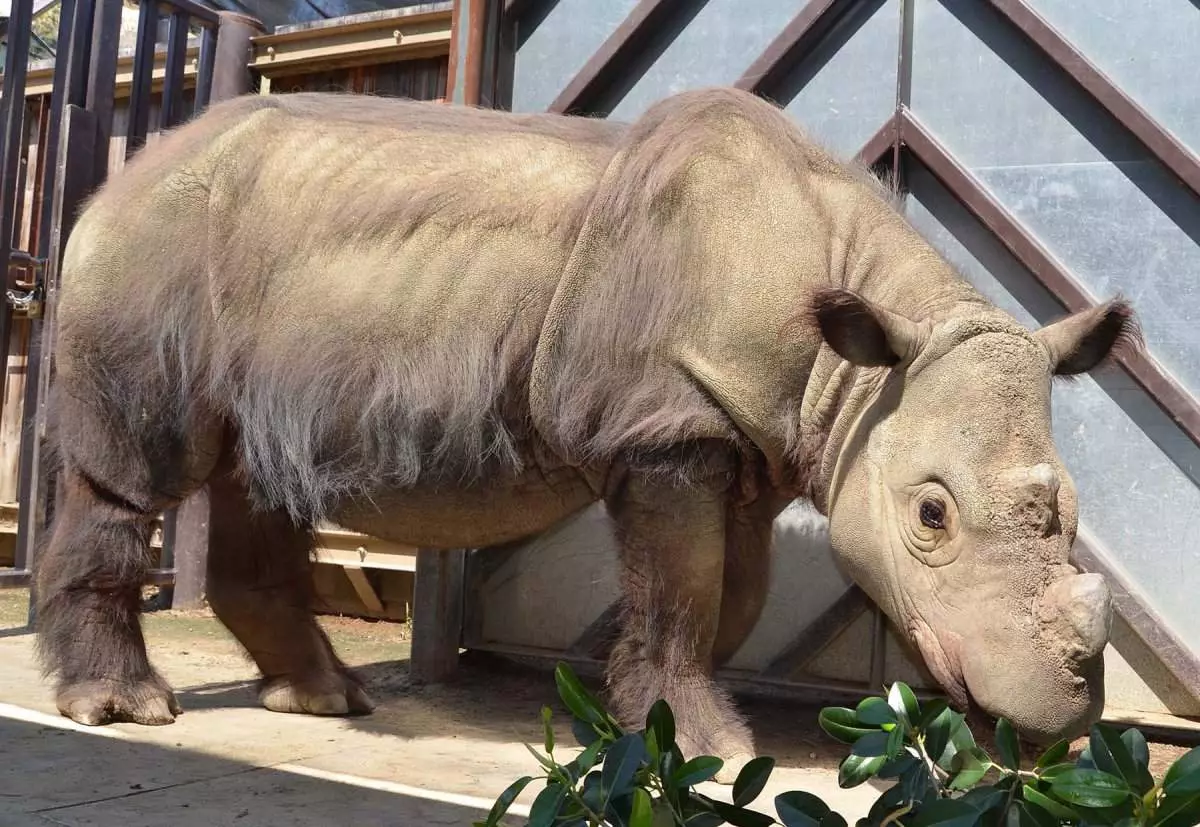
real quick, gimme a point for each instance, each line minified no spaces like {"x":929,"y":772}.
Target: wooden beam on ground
{"x":437,"y":614}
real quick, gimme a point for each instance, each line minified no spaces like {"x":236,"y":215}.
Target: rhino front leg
{"x":672,"y":542}
{"x":748,"y":533}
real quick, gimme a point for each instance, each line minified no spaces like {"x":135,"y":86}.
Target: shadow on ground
{"x":52,"y":776}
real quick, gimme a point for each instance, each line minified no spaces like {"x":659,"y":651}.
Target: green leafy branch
{"x":942,"y":777}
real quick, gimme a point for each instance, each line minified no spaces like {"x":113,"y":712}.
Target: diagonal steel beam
{"x":805,"y":31}
{"x":625,"y":46}
{"x":1176,"y":401}
{"x":1161,"y":143}
{"x":1137,"y":611}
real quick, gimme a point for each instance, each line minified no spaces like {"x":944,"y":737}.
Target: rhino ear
{"x":863,"y":333}
{"x":1081,"y":341}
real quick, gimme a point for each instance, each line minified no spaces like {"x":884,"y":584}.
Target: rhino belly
{"x":501,"y":509}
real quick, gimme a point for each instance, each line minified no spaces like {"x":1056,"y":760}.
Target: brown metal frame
{"x":646,"y":23}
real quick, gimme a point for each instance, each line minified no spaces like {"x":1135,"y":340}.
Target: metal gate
{"x":184,"y":56}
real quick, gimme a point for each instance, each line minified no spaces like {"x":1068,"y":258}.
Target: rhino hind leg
{"x":260,"y":587}
{"x":117,"y":474}
{"x":672,"y":552}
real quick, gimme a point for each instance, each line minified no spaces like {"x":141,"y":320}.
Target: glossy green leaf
{"x":547,"y":805}
{"x":585,"y":734}
{"x":1112,"y":756}
{"x":960,"y":739}
{"x":697,"y":771}
{"x":898,"y":766}
{"x":623,"y":760}
{"x":833,"y":819}
{"x":842,"y":724}
{"x":642,"y":812}
{"x":505,"y":800}
{"x":937,"y":733}
{"x":875,"y":712}
{"x":1139,"y":750}
{"x":547,"y":763}
{"x":944,"y":812}
{"x":985,"y":799}
{"x":932,"y":710}
{"x":1183,"y":777}
{"x":872,"y":744}
{"x":1054,"y":770}
{"x":895,"y":743}
{"x":661,"y":721}
{"x":855,"y":769}
{"x":547,"y":729}
{"x":800,"y":809}
{"x":751,"y":780}
{"x":1178,"y":811}
{"x":741,"y":817}
{"x":904,"y":703}
{"x":1054,"y":754}
{"x":1090,"y":788}
{"x":587,"y":758}
{"x":969,"y":768}
{"x":1029,"y":816}
{"x":582,"y":703}
{"x":1008,"y":745}
{"x":916,"y":784}
{"x":1045,"y":802}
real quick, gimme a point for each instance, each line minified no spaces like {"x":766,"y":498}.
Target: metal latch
{"x":26,"y":300}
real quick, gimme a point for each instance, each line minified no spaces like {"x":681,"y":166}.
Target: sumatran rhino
{"x":455,"y":328}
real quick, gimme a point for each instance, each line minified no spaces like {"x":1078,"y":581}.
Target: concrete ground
{"x":426,"y":756}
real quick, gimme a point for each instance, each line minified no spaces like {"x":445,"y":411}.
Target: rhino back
{"x":364,"y":278}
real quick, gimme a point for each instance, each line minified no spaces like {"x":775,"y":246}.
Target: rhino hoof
{"x":324,"y":695}
{"x":99,"y":702}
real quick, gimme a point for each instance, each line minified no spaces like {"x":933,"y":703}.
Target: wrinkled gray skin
{"x":455,"y":328}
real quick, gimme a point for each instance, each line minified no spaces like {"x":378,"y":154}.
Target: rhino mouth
{"x":943,"y":661}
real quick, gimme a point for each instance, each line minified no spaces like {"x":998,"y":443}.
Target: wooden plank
{"x":437,"y":614}
{"x":191,"y":551}
{"x":364,"y":590}
{"x":360,"y":45}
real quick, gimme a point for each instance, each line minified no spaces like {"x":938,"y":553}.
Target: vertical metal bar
{"x":904,"y":55}
{"x":102,"y":77}
{"x":171,"y":113}
{"x":143,"y":77}
{"x":204,"y":69}
{"x":70,"y":88}
{"x":12,"y":117}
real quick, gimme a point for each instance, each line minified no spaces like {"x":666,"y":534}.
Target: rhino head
{"x":949,"y":505}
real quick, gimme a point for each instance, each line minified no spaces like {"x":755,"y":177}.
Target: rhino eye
{"x":933,"y":514}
